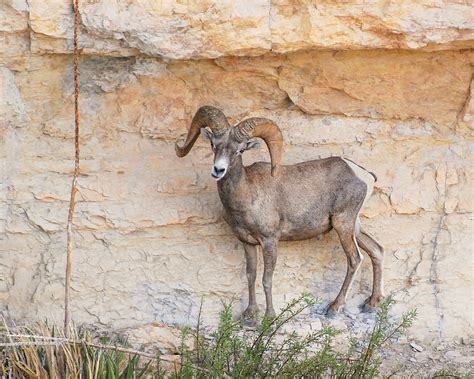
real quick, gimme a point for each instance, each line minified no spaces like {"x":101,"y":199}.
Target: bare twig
{"x":72,"y":200}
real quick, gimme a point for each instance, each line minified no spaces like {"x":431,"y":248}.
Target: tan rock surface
{"x":149,"y":236}
{"x":211,"y":28}
{"x":353,"y":24}
{"x":380,"y":84}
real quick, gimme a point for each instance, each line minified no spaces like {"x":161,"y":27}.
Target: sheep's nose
{"x":217,"y":172}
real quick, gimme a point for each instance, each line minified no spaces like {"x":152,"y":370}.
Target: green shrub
{"x":230,"y":351}
{"x":265,"y":353}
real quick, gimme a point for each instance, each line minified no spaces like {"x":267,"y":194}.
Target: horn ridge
{"x":265,"y":129}
{"x":211,"y":117}
{"x":206,"y":116}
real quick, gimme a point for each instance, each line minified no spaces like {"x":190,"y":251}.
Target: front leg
{"x":269,"y":263}
{"x":251,"y":258}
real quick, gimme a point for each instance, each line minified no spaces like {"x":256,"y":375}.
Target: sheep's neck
{"x":230,"y":186}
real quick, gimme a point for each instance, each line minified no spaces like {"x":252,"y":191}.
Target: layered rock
{"x":149,"y":236}
{"x":211,"y":28}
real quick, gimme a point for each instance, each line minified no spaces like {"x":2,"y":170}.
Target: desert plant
{"x":267,"y":352}
{"x":43,"y":351}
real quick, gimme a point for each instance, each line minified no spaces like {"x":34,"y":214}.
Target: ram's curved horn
{"x":206,"y":116}
{"x":268,"y":131}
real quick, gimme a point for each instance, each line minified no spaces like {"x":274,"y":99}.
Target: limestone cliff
{"x":387,"y":84}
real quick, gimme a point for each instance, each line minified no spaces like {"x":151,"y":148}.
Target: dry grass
{"x":43,"y":351}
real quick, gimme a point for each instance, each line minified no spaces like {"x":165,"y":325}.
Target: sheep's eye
{"x":241,"y":151}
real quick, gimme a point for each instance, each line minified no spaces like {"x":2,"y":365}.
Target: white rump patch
{"x":363,"y":175}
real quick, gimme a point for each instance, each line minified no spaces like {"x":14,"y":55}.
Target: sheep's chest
{"x":249,"y":215}
{"x":248,"y":224}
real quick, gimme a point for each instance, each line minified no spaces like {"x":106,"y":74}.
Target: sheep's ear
{"x":207,"y":134}
{"x":252,"y":144}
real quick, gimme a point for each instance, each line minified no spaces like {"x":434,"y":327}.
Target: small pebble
{"x":416,"y":347}
{"x":441,"y":346}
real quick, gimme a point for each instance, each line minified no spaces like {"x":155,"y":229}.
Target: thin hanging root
{"x":72,"y":200}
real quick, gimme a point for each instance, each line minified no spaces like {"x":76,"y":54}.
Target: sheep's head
{"x":228,"y":142}
{"x":226,"y":150}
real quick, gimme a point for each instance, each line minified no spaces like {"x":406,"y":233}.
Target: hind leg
{"x":375,"y":252}
{"x":345,"y":226}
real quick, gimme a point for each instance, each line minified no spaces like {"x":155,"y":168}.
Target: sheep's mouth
{"x":217,"y":177}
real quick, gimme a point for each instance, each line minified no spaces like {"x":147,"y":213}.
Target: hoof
{"x":270,"y":315}
{"x":333,"y":310}
{"x":330,"y":313}
{"x":251,"y":313}
{"x":247,"y":322}
{"x":367,"y":308}
{"x":372,"y":302}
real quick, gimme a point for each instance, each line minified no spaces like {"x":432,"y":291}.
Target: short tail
{"x":363,"y":168}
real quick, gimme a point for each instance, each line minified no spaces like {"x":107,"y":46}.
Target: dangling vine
{"x":72,"y":200}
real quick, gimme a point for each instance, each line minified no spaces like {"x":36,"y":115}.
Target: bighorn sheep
{"x":287,"y":203}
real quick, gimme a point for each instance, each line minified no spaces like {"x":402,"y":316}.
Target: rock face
{"x":212,"y":28}
{"x":388,"y":85}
